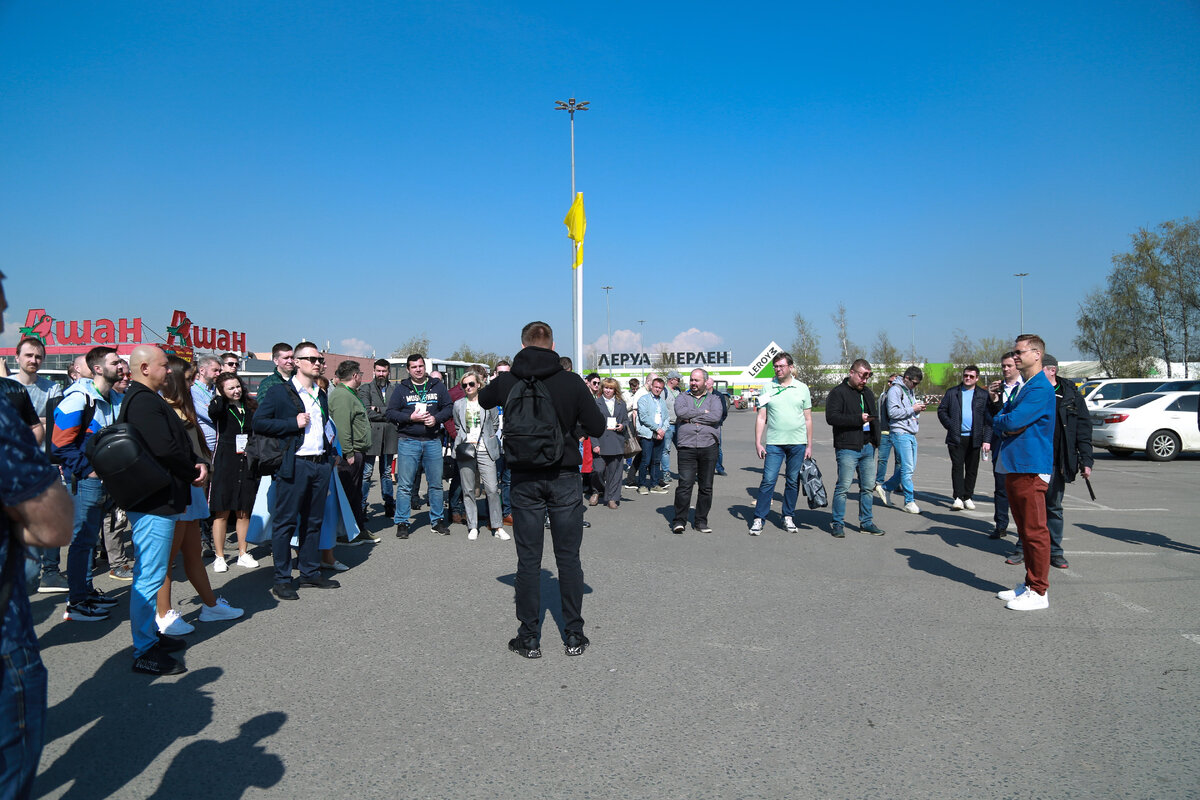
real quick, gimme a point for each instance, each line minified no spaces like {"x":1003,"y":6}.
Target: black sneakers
{"x":576,"y":643}
{"x":402,"y":530}
{"x":526,"y":649}
{"x":156,"y":662}
{"x":999,"y":533}
{"x":442,"y":528}
{"x":87,"y":611}
{"x":320,"y":583}
{"x":170,"y":644}
{"x":285,"y":591}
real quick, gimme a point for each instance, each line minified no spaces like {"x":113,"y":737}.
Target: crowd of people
{"x":532,"y":440}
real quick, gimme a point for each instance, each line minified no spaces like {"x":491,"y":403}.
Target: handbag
{"x":264,"y":454}
{"x":632,"y":445}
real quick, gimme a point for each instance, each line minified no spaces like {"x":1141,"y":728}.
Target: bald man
{"x":153,"y":519}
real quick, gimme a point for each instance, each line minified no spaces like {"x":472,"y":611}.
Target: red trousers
{"x":1027,"y":500}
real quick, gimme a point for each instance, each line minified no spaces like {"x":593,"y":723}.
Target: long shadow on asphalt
{"x":1140,"y":537}
{"x":135,"y":718}
{"x":217,"y":770}
{"x":551,"y":601}
{"x":944,"y":569}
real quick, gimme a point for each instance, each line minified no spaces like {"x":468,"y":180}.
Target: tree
{"x":467,"y":353}
{"x":848,"y":351}
{"x":885,"y":359}
{"x":416,"y":344}
{"x":806,"y":351}
{"x":1180,"y":246}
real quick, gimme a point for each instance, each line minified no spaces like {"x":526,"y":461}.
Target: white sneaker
{"x":1013,"y":593}
{"x":336,"y":566}
{"x":882,"y":494}
{"x":756,"y":527}
{"x":970,"y":504}
{"x":220,"y":612}
{"x":172,"y":624}
{"x":472,"y":534}
{"x":220,"y":565}
{"x":957,"y":505}
{"x":912,"y":508}
{"x":1029,"y":601}
{"x":789,"y":525}
{"x":246,"y":560}
{"x":501,"y":534}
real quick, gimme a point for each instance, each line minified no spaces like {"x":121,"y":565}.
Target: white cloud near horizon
{"x":356,"y":347}
{"x":629,"y":341}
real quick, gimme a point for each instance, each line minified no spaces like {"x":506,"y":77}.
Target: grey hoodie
{"x":901,"y":416}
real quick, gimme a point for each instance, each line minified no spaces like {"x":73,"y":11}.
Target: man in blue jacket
{"x":1026,"y":427}
{"x":963,"y":413}
{"x":419,"y":407}
{"x":297,"y":410}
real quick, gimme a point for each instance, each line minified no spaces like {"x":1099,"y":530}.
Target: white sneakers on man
{"x":912,"y":508}
{"x":957,"y":505}
{"x":789,"y":525}
{"x":1013,"y":593}
{"x":501,"y":534}
{"x":1029,"y":600}
{"x":970,"y":504}
{"x":882,"y":494}
{"x":220,"y":565}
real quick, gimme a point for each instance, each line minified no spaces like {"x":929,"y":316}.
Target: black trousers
{"x":560,"y":493}
{"x":1000,"y":500}
{"x":697,"y":465}
{"x":300,"y":510}
{"x":964,"y":467}
{"x":351,"y":476}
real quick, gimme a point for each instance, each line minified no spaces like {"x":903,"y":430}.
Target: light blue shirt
{"x":968,"y":413}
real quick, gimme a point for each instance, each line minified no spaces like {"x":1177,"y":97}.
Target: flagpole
{"x":571,"y":106}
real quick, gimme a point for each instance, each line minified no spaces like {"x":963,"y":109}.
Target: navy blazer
{"x":276,"y":416}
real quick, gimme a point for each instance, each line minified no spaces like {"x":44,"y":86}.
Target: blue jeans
{"x":505,"y":476}
{"x":668,"y":440}
{"x":412,"y":453}
{"x":89,"y":514}
{"x":885,"y":450}
{"x":776,"y":454}
{"x":22,"y":720}
{"x":905,"y":445}
{"x":152,"y":536}
{"x":385,"y":477}
{"x":650,"y":470}
{"x":850,"y":462}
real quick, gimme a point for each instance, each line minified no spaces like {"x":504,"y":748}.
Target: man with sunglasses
{"x":963,"y":412}
{"x":230,"y":362}
{"x":851,"y":411}
{"x":298,"y":412}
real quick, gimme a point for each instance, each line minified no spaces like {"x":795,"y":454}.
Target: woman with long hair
{"x":609,"y":447}
{"x":478,"y":427}
{"x":178,"y":395}
{"x":233,"y":487}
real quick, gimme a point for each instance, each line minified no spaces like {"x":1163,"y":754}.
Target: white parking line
{"x":1107,"y":553}
{"x":1192,"y":637}
{"x":1126,"y":603}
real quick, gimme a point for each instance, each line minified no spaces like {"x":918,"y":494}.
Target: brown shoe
{"x":594,"y":501}
{"x":508,"y":520}
{"x":457,"y":519}
{"x":612,"y":504}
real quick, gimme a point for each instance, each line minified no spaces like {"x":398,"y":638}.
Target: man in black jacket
{"x":964,"y":414}
{"x":557,"y":489}
{"x":297,"y":411}
{"x":419,"y":407}
{"x":153,"y":520}
{"x":850,"y":409}
{"x":1072,"y":456}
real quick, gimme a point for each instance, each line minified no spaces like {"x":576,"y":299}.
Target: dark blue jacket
{"x":403,"y":400}
{"x":276,"y":416}
{"x":950,"y":415}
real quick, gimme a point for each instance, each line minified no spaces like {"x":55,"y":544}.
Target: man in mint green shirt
{"x":781,"y":435}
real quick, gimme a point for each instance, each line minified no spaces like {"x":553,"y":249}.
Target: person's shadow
{"x":136,"y":717}
{"x":551,"y":600}
{"x":192,"y":773}
{"x":1140,"y":537}
{"x":944,"y":569}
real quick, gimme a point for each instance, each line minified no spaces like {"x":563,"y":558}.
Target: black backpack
{"x":533,"y":438}
{"x":126,"y":467}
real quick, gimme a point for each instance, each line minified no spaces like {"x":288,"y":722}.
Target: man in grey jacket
{"x":903,"y":410}
{"x":698,"y":436}
{"x":375,"y":396}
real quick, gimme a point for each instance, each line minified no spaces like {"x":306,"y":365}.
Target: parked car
{"x":1185,"y":385}
{"x":1161,"y":424}
{"x":1101,"y":392}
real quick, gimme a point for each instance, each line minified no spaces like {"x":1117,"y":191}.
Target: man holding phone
{"x":852,"y":413}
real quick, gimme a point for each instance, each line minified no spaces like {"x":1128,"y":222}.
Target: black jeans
{"x":1000,"y":500}
{"x":696,"y":465}
{"x":299,"y":509}
{"x":534,"y":493}
{"x":963,"y":459}
{"x":351,"y":476}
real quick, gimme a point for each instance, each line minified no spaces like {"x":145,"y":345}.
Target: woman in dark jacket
{"x":234,"y":487}
{"x":609,"y":447}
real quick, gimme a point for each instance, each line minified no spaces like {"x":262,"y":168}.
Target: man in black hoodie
{"x":557,"y":490}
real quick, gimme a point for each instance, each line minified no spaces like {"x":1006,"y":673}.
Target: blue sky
{"x":359,"y":172}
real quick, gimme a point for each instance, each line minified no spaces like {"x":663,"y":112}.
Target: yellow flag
{"x":576,"y":222}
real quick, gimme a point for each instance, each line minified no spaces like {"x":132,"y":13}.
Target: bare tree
{"x":415,"y":344}
{"x":806,"y":351}
{"x":847,"y":349}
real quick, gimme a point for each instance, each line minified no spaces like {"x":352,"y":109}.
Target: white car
{"x":1162,"y":424}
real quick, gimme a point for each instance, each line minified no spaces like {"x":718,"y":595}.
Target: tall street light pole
{"x":608,"y":319}
{"x":913,"y":353}
{"x":571,"y":106}
{"x":1021,"y":277}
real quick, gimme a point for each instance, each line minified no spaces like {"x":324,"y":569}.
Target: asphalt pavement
{"x":722,"y":665}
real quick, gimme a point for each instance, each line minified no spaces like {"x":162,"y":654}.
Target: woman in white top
{"x":477,"y":429}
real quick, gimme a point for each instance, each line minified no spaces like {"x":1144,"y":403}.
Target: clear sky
{"x":359,"y":172}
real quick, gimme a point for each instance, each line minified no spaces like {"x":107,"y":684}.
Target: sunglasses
{"x":311,"y":359}
{"x":466,"y":384}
